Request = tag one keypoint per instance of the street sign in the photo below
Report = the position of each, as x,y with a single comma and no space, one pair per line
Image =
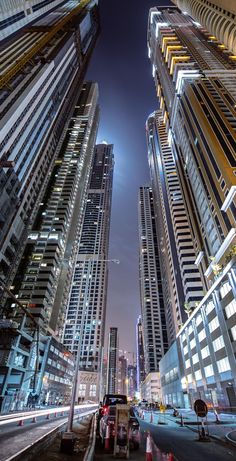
200,408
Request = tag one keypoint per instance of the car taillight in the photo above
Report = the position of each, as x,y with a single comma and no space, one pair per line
105,410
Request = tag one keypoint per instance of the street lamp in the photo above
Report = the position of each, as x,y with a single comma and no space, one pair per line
68,435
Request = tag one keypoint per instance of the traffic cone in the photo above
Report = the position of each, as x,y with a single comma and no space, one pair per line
149,448
217,417
107,438
181,421
21,422
34,419
151,417
171,457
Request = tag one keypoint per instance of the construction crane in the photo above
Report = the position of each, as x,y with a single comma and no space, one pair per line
18,65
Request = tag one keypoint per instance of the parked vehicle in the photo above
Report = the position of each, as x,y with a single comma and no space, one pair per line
109,419
111,399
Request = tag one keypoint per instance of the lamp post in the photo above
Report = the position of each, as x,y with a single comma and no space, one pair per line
68,436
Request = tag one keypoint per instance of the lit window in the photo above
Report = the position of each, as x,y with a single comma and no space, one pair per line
205,352
189,378
209,371
218,343
185,349
195,358
230,309
198,320
214,324
198,375
202,335
187,363
223,365
233,331
209,307
192,343
224,290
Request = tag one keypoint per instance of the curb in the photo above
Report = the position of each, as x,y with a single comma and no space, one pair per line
233,442
89,454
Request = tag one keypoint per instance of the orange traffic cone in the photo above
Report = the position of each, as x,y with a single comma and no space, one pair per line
171,457
149,448
21,422
107,438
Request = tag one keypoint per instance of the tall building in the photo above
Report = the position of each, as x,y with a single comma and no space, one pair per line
122,375
47,262
181,280
41,75
155,338
140,353
15,14
112,363
86,308
195,82
131,381
217,16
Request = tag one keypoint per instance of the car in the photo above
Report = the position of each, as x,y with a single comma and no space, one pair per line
109,419
111,399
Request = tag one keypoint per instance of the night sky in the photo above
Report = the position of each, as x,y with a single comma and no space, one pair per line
122,69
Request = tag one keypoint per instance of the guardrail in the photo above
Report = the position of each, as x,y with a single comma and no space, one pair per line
89,454
8,419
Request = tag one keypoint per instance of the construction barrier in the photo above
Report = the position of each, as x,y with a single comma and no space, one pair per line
149,448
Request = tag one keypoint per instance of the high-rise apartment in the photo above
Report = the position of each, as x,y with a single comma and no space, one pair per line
155,338
140,353
46,266
86,309
112,361
195,82
217,16
122,375
181,280
15,14
42,72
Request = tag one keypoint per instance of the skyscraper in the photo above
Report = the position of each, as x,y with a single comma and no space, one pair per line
218,16
140,353
47,262
86,307
152,303
112,362
17,13
181,280
195,81
122,375
41,75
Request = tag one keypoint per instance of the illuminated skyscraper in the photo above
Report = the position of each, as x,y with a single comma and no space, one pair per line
112,362
155,339
42,73
195,82
218,16
86,307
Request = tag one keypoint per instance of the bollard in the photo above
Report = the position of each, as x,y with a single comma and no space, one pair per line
21,422
34,419
149,448
181,421
151,417
62,413
143,415
48,416
107,438
203,432
55,414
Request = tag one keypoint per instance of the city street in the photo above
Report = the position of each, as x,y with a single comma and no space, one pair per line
182,442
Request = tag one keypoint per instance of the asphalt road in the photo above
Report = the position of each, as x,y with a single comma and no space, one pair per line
184,444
